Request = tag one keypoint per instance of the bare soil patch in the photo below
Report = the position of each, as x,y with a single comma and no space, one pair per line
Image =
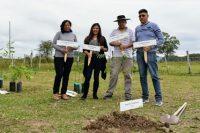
117,122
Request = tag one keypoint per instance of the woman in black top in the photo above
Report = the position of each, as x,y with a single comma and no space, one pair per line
94,38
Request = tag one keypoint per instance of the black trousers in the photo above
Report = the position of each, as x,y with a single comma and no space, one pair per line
62,72
95,65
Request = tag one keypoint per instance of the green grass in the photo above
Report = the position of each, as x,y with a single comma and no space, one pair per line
33,110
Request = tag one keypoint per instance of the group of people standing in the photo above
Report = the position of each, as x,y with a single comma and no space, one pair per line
145,31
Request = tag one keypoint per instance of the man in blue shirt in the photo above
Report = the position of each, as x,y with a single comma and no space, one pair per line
148,31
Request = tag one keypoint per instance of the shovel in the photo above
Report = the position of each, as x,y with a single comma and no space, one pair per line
173,119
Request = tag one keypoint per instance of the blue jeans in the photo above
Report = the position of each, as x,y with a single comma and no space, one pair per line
153,69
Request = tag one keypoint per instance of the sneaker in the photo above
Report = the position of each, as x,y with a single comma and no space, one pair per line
64,97
145,101
107,96
159,103
56,97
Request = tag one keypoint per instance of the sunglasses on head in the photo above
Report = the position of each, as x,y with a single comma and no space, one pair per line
142,15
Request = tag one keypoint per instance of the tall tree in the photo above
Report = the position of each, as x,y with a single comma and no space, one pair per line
170,45
46,48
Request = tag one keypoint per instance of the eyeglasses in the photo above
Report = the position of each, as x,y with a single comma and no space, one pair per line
142,15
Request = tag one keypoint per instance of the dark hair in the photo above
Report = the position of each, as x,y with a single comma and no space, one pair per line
143,11
62,26
90,36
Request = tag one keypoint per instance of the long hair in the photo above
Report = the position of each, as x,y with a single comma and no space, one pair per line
90,36
62,26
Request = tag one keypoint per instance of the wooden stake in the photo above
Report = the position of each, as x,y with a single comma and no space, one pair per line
65,57
145,56
188,60
89,59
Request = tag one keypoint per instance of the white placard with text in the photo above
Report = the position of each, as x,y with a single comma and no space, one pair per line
131,104
144,43
91,47
67,44
118,37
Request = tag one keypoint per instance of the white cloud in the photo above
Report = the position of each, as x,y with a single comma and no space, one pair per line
33,21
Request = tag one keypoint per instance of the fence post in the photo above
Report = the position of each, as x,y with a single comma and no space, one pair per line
24,60
39,61
166,64
31,58
188,61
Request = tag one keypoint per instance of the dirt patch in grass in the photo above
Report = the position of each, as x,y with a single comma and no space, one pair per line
39,126
117,122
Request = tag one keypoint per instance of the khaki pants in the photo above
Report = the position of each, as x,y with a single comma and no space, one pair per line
127,67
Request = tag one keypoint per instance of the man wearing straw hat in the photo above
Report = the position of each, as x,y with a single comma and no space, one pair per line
146,56
122,58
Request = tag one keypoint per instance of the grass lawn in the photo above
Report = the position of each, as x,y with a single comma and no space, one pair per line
33,110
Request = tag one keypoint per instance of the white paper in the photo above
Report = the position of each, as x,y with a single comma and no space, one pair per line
67,44
144,43
71,93
118,37
91,47
132,104
3,92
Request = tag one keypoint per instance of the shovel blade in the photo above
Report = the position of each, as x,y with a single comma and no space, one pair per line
173,120
165,118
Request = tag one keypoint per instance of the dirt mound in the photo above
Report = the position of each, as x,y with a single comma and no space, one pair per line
118,122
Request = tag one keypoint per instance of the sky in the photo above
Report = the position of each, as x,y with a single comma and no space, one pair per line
35,20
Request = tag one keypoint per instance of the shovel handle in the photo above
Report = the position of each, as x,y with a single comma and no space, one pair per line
90,57
177,112
145,56
182,110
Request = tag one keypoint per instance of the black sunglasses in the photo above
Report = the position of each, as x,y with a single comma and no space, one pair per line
142,15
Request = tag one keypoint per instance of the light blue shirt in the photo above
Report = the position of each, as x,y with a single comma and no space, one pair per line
149,31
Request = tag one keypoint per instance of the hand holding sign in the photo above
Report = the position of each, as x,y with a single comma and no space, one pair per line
67,44
91,48
116,39
146,45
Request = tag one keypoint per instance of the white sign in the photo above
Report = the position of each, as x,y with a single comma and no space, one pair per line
67,44
132,104
91,47
118,37
71,93
3,92
144,43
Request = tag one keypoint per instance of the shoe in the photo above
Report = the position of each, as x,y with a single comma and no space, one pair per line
56,96
64,97
95,97
107,96
145,101
83,98
159,103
